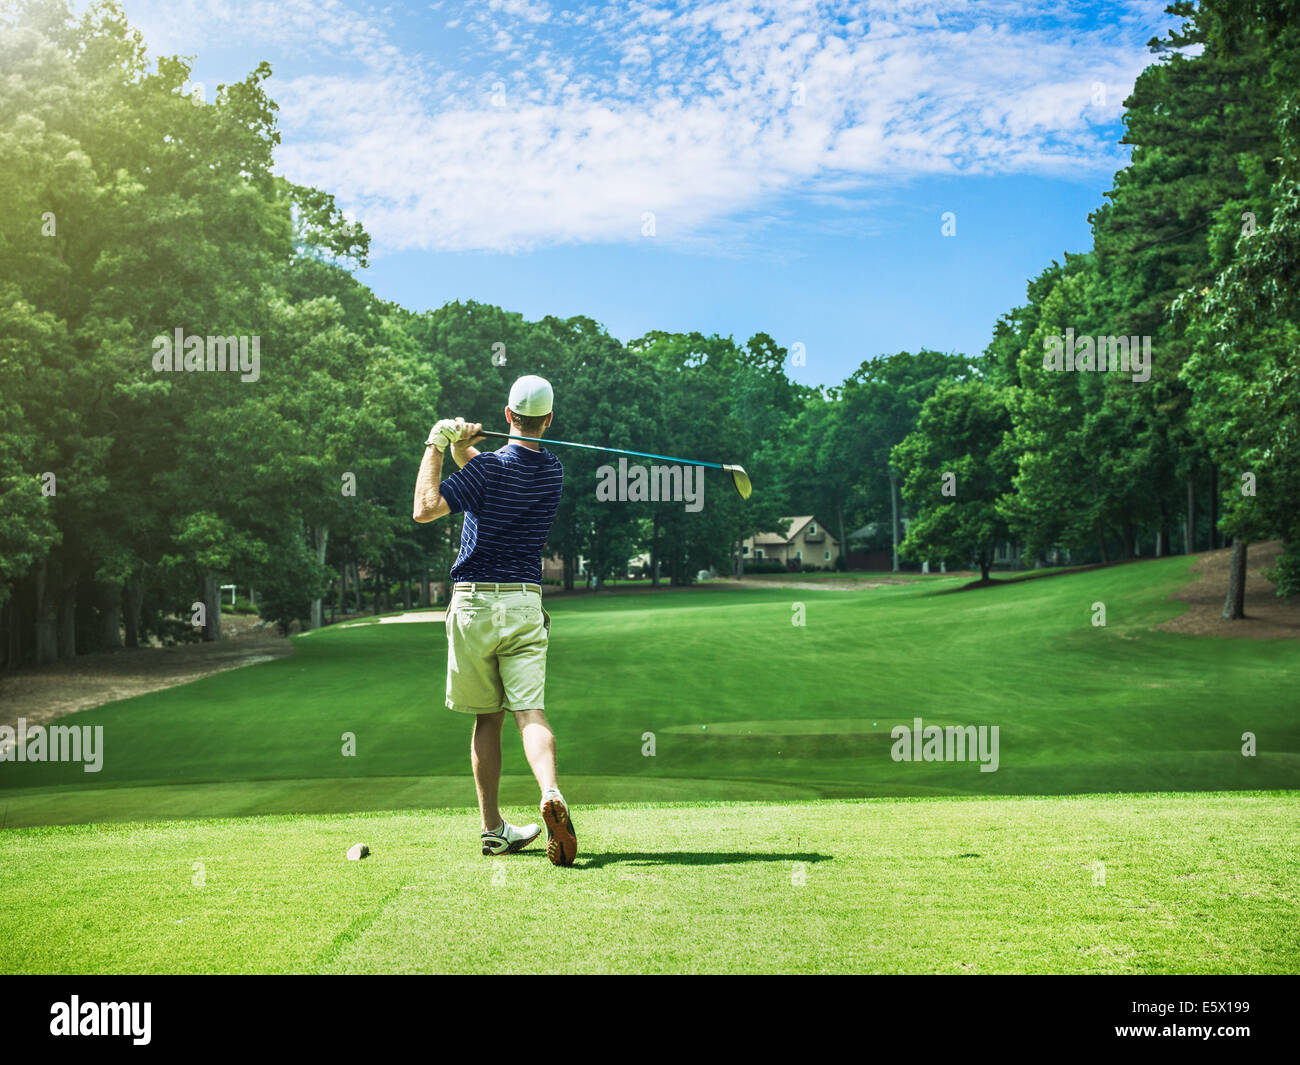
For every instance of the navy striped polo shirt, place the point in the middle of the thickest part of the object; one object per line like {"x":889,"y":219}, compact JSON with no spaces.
{"x":509,"y":498}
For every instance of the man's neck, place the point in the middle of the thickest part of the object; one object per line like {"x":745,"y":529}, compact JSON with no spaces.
{"x":526,"y":443}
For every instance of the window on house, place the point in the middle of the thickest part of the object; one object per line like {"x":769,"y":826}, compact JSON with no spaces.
{"x":812,"y":528}
{"x":828,"y":556}
{"x":799,"y":555}
{"x":758,"y":553}
{"x":745,"y":549}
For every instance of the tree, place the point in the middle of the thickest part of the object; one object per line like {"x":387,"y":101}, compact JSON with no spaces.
{"x":895,"y":388}
{"x":1245,"y":374}
{"x":956,"y":467}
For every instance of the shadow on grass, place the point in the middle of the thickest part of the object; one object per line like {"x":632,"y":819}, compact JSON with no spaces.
{"x":1043,"y":574}
{"x":595,"y":861}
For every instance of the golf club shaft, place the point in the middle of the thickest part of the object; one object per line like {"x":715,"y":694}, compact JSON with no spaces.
{"x":597,"y":447}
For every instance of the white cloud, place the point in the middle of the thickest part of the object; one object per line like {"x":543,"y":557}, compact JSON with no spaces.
{"x":297,"y":28}
{"x":529,"y":10}
{"x":701,"y":113}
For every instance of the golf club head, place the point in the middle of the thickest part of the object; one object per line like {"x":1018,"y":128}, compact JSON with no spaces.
{"x":740,"y":479}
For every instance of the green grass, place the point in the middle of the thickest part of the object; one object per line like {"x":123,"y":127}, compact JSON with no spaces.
{"x":770,"y":831}
{"x":728,"y":687}
{"x":1197,"y":883}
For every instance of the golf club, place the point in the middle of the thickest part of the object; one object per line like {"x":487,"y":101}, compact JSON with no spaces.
{"x":739,"y":477}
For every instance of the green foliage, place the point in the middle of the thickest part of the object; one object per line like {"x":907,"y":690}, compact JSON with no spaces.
{"x":288,"y":587}
{"x":1100,"y":457}
{"x":956,"y":466}
{"x":1245,"y":371}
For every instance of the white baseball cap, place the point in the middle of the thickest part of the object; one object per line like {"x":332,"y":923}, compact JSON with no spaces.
{"x":531,"y":396}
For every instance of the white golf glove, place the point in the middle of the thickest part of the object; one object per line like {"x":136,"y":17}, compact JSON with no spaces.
{"x":446,"y":432}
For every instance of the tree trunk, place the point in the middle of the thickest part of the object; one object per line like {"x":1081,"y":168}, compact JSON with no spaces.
{"x":68,"y":620}
{"x":844,"y":542}
{"x":11,"y":650}
{"x":110,"y":612}
{"x":47,"y":617}
{"x":134,"y":601}
{"x":1126,"y":535}
{"x":1189,"y":526}
{"x":212,"y":608}
{"x":1215,"y":539}
{"x":1101,"y":541}
{"x":984,"y":568}
{"x":1234,"y":606}
{"x":893,"y":504}
{"x":322,"y":536}
{"x":424,"y":589}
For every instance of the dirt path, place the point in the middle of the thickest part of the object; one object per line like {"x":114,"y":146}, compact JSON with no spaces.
{"x":416,"y":617}
{"x":43,"y":693}
{"x":1267,"y":616}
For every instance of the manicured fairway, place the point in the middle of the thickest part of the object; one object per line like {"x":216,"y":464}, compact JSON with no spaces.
{"x":740,"y":704}
{"x":1203,"y":883}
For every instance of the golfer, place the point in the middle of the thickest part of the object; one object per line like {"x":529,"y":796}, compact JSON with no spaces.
{"x":497,"y":630}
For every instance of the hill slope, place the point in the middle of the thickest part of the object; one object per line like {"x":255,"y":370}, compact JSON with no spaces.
{"x":740,"y":702}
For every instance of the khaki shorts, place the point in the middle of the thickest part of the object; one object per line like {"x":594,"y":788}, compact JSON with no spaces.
{"x":496,"y":648}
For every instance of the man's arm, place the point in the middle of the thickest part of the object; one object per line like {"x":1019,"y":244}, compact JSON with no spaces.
{"x":429,"y":503}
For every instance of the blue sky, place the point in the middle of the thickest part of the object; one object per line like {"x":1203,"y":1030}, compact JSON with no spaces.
{"x":728,"y":166}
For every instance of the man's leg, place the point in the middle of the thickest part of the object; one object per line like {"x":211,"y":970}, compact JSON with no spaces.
{"x":539,"y":745}
{"x":485,"y":756}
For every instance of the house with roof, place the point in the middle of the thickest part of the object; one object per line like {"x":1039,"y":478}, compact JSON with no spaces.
{"x":808,"y":543}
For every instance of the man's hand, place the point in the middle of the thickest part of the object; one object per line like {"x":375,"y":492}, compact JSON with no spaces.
{"x":462,"y":450}
{"x":446,"y":432}
{"x":471,"y":433}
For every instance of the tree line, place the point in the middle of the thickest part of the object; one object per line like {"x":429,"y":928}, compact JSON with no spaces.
{"x":1190,"y":438}
{"x":196,"y":390}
